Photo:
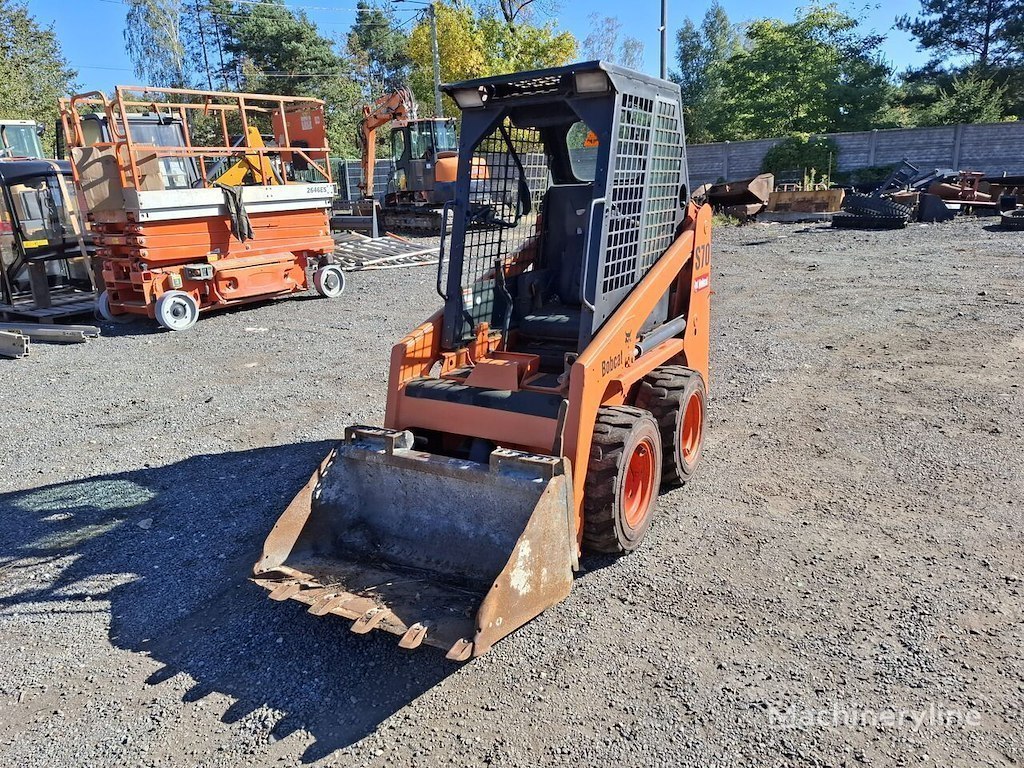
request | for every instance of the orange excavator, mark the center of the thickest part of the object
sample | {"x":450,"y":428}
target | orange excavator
{"x":425,"y":157}
{"x":559,"y":389}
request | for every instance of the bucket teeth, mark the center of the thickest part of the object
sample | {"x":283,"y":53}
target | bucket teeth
{"x":369,"y":620}
{"x":325,"y":604}
{"x":286,"y":590}
{"x":461,"y":650}
{"x":413,"y":636}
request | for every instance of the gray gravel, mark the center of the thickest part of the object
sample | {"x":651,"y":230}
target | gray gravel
{"x":854,"y":541}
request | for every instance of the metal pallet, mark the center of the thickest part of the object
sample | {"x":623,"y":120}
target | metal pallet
{"x":63,"y":304}
{"x":354,"y":253}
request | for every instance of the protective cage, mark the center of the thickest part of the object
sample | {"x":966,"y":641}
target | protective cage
{"x":518,"y":130}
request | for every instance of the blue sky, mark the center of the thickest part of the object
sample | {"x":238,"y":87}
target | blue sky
{"x":91,"y":30}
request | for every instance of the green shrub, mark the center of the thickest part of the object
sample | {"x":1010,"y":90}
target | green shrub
{"x":802,"y":152}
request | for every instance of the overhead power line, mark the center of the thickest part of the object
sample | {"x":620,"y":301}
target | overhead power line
{"x":277,"y":5}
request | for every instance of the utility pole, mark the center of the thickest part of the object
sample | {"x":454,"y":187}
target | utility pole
{"x":664,"y":39}
{"x":438,"y":109}
{"x":431,"y":12}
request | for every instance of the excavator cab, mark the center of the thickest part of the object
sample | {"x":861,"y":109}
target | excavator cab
{"x":561,"y":386}
{"x":20,"y":139}
{"x":424,"y":153}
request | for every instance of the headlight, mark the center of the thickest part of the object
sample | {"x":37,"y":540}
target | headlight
{"x":470,"y":98}
{"x":592,"y":82}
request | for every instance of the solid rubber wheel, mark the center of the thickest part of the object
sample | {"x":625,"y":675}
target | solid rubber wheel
{"x":623,"y":479}
{"x":103,"y":310}
{"x":676,"y":397}
{"x":177,"y":310}
{"x":329,"y":281}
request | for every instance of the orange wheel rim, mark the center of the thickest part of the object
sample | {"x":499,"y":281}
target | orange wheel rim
{"x":693,"y":420}
{"x":639,"y":486}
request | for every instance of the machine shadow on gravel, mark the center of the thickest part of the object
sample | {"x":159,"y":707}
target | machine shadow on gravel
{"x":171,"y":548}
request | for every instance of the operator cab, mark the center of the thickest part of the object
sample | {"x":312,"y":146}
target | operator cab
{"x":20,"y":138}
{"x":418,"y":151}
{"x":43,"y":267}
{"x":584,"y":187}
{"x":158,"y":130}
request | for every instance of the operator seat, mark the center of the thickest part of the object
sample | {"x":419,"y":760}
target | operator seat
{"x":550,"y":298}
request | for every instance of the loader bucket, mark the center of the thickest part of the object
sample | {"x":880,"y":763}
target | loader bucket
{"x":441,"y":551}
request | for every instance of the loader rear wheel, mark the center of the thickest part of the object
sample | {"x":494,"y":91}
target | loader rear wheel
{"x":623,"y":479}
{"x":676,"y":397}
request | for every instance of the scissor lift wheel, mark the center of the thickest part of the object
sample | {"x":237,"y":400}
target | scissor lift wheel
{"x":623,"y":479}
{"x":104,"y":311}
{"x":329,"y":281}
{"x":177,"y":310}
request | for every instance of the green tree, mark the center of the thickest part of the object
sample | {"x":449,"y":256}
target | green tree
{"x":972,"y":98}
{"x":803,"y":153}
{"x":477,"y":44}
{"x":155,"y":43}
{"x":278,"y":50}
{"x":701,"y":53}
{"x":527,"y":46}
{"x":460,"y":45}
{"x":604,"y":42}
{"x":33,"y":71}
{"x":814,"y":75}
{"x":379,"y":51}
{"x":987,"y":32}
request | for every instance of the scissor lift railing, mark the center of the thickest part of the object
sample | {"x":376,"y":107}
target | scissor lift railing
{"x":174,"y":245}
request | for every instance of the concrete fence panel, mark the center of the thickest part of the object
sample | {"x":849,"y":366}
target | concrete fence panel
{"x":993,"y":148}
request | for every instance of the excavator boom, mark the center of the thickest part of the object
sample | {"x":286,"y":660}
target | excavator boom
{"x":398,"y":107}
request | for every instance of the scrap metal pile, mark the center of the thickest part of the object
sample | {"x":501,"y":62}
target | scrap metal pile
{"x":939,"y":195}
{"x":354,"y":252}
{"x":906,"y":195}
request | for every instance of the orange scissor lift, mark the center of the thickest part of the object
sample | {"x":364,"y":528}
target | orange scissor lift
{"x":182,"y":229}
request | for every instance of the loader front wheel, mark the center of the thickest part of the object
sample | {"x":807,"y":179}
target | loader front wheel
{"x":623,"y":479}
{"x":676,"y":396}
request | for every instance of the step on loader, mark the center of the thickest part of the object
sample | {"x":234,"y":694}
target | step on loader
{"x":562,"y":385}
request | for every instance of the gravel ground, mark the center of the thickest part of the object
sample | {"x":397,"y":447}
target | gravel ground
{"x":852,"y":547}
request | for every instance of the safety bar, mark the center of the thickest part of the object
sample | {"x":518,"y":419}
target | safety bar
{"x":586,"y":252}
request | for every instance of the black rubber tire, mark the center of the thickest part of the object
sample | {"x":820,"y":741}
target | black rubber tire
{"x":866,"y":205}
{"x":859,"y":221}
{"x":618,"y":431}
{"x":665,"y":392}
{"x":1012,"y":219}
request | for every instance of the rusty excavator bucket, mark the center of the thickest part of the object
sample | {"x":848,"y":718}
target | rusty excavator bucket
{"x":439,"y":550}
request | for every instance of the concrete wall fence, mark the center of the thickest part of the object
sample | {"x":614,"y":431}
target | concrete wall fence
{"x":994,"y":148}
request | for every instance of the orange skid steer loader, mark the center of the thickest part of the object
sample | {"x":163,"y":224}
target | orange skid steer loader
{"x":561,"y":386}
